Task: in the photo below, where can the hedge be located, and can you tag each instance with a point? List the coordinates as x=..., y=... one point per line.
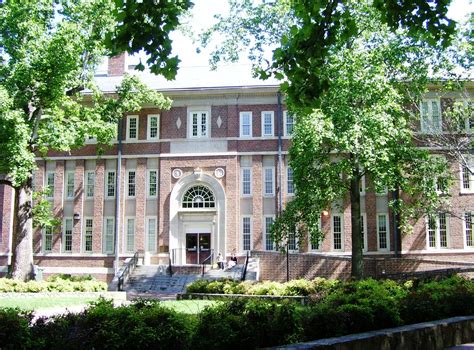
x=59, y=283
x=336, y=309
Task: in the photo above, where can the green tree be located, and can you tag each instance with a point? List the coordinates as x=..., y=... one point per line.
x=50, y=50
x=344, y=63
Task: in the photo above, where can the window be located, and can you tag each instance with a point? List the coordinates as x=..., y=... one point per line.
x=383, y=232
x=152, y=189
x=437, y=231
x=131, y=183
x=363, y=228
x=269, y=243
x=430, y=116
x=110, y=184
x=132, y=127
x=246, y=181
x=198, y=197
x=337, y=232
x=289, y=121
x=292, y=242
x=268, y=181
x=70, y=185
x=267, y=123
x=467, y=179
x=246, y=232
x=469, y=229
x=88, y=235
x=90, y=184
x=469, y=120
x=151, y=235
x=290, y=186
x=245, y=124
x=67, y=235
x=199, y=124
x=109, y=224
x=47, y=239
x=153, y=127
x=315, y=245
x=102, y=67
x=130, y=239
x=50, y=184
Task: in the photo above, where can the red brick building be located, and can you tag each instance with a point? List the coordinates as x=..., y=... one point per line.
x=209, y=175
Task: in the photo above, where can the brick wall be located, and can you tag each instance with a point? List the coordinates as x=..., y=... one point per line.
x=116, y=65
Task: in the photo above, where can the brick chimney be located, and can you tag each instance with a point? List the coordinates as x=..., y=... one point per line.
x=116, y=65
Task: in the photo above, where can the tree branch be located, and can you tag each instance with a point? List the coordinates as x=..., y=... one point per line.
x=6, y=182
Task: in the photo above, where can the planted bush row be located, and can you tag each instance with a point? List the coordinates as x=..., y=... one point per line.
x=60, y=283
x=344, y=308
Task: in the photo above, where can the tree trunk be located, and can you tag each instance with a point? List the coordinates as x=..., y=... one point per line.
x=357, y=257
x=23, y=233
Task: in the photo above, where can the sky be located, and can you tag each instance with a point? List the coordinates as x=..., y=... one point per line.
x=203, y=16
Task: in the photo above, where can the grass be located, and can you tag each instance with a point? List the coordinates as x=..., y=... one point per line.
x=189, y=306
x=48, y=302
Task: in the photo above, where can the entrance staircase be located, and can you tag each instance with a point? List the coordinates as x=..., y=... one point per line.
x=154, y=280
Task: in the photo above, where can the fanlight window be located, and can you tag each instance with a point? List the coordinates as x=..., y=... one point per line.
x=198, y=197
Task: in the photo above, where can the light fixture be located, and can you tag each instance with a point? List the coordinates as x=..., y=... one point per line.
x=77, y=216
x=325, y=213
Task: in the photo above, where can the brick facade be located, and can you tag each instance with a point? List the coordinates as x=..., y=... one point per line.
x=224, y=149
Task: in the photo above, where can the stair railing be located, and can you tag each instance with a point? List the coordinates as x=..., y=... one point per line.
x=123, y=278
x=244, y=269
x=170, y=266
x=206, y=261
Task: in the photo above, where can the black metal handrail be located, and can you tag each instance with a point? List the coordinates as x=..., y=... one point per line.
x=244, y=269
x=127, y=270
x=170, y=267
x=204, y=261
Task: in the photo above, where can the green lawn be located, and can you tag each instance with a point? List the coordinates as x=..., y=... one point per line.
x=189, y=306
x=48, y=302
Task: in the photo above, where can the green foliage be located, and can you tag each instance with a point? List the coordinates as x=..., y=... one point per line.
x=54, y=284
x=14, y=329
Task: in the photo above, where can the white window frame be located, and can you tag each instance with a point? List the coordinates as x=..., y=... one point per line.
x=341, y=216
x=147, y=234
x=320, y=243
x=285, y=124
x=364, y=233
x=199, y=125
x=467, y=124
x=297, y=243
x=129, y=184
x=242, y=232
x=288, y=193
x=429, y=127
x=272, y=123
x=241, y=124
x=148, y=184
x=148, y=132
x=437, y=233
x=464, y=229
x=47, y=186
x=128, y=235
x=89, y=185
x=84, y=240
x=47, y=231
x=65, y=235
x=69, y=175
x=266, y=233
x=106, y=235
x=470, y=178
x=107, y=183
x=264, y=181
x=242, y=182
x=129, y=117
x=387, y=223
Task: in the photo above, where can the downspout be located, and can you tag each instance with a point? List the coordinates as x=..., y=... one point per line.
x=117, y=195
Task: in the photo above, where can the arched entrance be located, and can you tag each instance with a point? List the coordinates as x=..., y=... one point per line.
x=197, y=219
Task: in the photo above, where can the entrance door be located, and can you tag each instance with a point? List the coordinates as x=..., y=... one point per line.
x=198, y=248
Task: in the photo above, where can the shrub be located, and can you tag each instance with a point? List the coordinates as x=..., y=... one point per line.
x=14, y=328
x=56, y=284
x=198, y=286
x=299, y=287
x=266, y=288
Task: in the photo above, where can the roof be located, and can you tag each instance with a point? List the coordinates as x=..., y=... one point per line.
x=195, y=78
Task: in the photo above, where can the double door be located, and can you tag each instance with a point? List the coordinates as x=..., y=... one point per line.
x=198, y=248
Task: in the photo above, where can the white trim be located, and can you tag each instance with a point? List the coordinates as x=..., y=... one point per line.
x=290, y=194
x=242, y=194
x=63, y=235
x=106, y=182
x=199, y=112
x=46, y=186
x=464, y=227
x=341, y=215
x=83, y=234
x=265, y=194
x=437, y=234
x=285, y=131
x=242, y=232
x=148, y=127
x=104, y=250
x=148, y=183
x=78, y=269
x=147, y=225
x=66, y=184
x=266, y=233
x=127, y=184
x=262, y=117
x=127, y=136
x=241, y=125
x=320, y=243
x=429, y=129
x=387, y=223
x=471, y=179
x=125, y=229
x=86, y=181
x=43, y=240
